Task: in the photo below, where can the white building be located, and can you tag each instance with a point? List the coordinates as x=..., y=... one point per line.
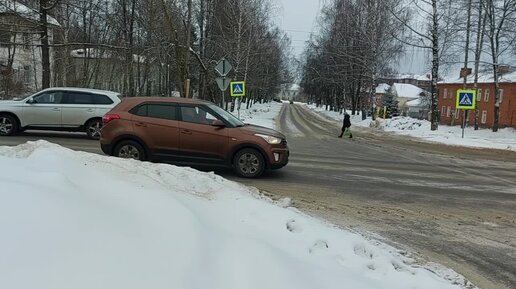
x=20, y=53
x=411, y=99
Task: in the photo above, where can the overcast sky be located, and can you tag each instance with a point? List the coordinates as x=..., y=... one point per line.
x=298, y=19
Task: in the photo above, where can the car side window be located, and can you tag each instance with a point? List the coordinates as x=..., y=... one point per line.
x=73, y=97
x=51, y=97
x=196, y=114
x=162, y=111
x=101, y=99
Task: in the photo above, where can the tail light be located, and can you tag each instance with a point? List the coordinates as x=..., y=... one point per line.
x=109, y=117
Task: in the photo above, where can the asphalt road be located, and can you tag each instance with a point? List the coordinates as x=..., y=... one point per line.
x=451, y=205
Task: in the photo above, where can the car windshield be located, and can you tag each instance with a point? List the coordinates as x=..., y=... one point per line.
x=233, y=120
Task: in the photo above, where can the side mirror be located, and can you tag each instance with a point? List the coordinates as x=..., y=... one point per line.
x=31, y=101
x=218, y=123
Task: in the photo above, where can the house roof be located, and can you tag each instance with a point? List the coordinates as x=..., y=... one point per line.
x=483, y=77
x=96, y=53
x=407, y=90
x=382, y=88
x=13, y=7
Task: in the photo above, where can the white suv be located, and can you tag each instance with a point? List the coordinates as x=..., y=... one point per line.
x=58, y=108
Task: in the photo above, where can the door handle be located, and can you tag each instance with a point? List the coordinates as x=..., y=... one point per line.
x=140, y=124
x=186, y=131
x=56, y=109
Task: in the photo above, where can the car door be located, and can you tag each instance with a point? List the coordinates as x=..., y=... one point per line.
x=43, y=110
x=77, y=108
x=157, y=125
x=198, y=139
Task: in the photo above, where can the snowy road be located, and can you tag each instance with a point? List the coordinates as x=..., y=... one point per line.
x=453, y=205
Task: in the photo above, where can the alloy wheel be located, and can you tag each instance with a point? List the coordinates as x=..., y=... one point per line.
x=129, y=152
x=6, y=125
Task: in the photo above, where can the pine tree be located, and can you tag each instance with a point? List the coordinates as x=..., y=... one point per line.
x=390, y=101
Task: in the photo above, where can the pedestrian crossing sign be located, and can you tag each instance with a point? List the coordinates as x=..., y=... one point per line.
x=237, y=88
x=466, y=99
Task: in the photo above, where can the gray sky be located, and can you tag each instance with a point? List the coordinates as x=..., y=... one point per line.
x=298, y=19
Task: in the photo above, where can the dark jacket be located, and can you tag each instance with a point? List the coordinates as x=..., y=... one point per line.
x=347, y=122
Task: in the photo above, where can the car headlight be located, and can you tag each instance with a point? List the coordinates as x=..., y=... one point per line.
x=269, y=138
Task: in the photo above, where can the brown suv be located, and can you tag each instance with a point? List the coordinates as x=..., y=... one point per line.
x=190, y=131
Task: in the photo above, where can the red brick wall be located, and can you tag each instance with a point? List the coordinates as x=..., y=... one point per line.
x=485, y=108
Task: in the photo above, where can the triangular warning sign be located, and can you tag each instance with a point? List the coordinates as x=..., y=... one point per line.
x=237, y=89
x=465, y=100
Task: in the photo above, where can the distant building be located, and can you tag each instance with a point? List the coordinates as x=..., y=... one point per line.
x=485, y=100
x=411, y=99
x=289, y=91
x=20, y=53
x=422, y=81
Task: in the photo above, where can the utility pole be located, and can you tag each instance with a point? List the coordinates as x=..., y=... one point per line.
x=465, y=71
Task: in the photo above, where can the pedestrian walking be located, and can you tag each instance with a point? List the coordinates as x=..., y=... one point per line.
x=346, y=126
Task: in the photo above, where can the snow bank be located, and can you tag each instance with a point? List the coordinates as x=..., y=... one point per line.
x=78, y=220
x=451, y=135
x=263, y=114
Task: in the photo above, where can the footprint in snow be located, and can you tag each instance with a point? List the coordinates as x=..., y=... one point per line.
x=294, y=227
x=318, y=246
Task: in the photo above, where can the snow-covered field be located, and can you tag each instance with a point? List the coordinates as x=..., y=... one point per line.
x=451, y=135
x=78, y=220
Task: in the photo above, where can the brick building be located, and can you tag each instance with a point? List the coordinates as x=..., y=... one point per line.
x=485, y=100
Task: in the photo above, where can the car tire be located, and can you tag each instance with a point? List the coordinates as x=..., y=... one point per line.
x=129, y=149
x=93, y=128
x=249, y=163
x=8, y=125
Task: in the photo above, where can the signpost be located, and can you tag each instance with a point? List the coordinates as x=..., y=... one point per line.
x=466, y=99
x=237, y=89
x=223, y=68
x=223, y=83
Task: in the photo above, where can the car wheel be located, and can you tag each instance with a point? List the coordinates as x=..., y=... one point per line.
x=8, y=125
x=93, y=128
x=129, y=149
x=249, y=163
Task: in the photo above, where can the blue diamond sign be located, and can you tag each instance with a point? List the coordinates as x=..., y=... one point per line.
x=466, y=99
x=237, y=88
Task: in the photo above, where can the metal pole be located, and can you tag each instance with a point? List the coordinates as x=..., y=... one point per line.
x=463, y=122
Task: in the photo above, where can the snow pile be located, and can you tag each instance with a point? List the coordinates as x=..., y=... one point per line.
x=263, y=114
x=402, y=123
x=77, y=220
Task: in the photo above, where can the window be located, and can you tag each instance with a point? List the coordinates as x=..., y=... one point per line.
x=27, y=40
x=162, y=111
x=479, y=95
x=5, y=35
x=484, y=116
x=156, y=110
x=500, y=98
x=486, y=95
x=448, y=112
x=50, y=97
x=73, y=97
x=445, y=93
x=443, y=110
x=196, y=114
x=101, y=99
